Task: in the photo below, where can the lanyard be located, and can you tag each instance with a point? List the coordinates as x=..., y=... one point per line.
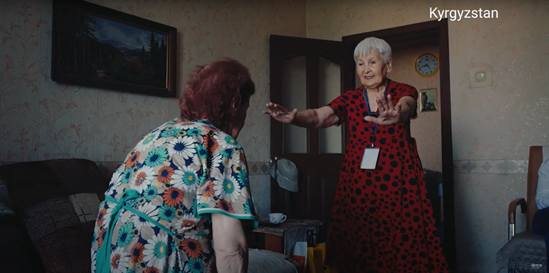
x=374, y=130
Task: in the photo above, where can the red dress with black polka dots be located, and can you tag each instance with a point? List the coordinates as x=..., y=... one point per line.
x=381, y=218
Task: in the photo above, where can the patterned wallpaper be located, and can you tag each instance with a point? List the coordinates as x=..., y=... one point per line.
x=492, y=127
x=41, y=119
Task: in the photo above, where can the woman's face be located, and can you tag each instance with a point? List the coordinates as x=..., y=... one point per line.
x=372, y=70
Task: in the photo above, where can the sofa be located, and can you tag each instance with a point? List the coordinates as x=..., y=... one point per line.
x=47, y=214
x=48, y=211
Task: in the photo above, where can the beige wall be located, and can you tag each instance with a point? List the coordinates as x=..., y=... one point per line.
x=426, y=128
x=492, y=127
x=42, y=119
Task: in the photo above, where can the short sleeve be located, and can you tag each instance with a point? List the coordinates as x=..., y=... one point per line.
x=403, y=90
x=227, y=190
x=340, y=105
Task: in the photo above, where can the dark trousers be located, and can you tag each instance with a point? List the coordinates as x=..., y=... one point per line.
x=540, y=225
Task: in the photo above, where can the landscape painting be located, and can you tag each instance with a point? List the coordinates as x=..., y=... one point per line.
x=100, y=47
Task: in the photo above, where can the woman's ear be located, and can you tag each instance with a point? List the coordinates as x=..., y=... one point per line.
x=235, y=103
x=389, y=64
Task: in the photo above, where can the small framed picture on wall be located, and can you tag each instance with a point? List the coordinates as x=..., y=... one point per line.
x=427, y=100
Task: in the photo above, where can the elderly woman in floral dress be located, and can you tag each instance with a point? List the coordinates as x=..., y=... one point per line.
x=183, y=185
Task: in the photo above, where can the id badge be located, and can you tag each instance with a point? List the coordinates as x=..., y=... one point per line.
x=369, y=159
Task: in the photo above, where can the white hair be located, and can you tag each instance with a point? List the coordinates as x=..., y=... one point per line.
x=366, y=45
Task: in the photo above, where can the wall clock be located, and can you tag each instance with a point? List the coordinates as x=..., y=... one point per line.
x=426, y=65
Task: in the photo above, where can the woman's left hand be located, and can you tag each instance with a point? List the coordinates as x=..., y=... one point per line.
x=388, y=113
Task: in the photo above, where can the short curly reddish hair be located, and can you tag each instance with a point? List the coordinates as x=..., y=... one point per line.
x=211, y=88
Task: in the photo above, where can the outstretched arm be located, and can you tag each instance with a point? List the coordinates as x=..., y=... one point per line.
x=322, y=117
x=408, y=108
x=391, y=114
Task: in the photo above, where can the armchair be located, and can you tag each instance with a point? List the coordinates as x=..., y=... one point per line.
x=525, y=251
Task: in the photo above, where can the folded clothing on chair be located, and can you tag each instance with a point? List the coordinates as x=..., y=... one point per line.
x=542, y=192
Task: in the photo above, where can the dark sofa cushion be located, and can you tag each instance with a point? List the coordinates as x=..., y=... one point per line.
x=17, y=254
x=58, y=201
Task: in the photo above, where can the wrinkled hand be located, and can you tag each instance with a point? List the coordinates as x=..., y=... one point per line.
x=388, y=113
x=280, y=113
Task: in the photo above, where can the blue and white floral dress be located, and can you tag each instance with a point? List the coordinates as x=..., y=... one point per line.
x=156, y=213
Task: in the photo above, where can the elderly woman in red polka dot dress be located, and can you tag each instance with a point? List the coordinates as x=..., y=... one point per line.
x=381, y=218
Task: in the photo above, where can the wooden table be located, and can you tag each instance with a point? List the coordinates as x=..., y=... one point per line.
x=271, y=237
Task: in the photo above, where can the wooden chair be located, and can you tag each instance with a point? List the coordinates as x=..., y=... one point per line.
x=525, y=251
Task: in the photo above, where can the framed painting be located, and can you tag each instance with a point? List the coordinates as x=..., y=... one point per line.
x=99, y=47
x=427, y=100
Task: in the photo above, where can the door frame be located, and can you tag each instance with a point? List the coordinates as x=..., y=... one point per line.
x=428, y=34
x=318, y=171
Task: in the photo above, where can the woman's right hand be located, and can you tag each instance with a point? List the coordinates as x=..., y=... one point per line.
x=280, y=113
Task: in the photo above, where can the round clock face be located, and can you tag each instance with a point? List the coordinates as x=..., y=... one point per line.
x=426, y=65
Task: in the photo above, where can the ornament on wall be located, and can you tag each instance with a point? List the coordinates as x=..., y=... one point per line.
x=427, y=99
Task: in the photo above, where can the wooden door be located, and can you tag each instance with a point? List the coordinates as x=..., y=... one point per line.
x=308, y=73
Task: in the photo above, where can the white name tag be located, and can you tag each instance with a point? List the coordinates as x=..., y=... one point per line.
x=369, y=159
